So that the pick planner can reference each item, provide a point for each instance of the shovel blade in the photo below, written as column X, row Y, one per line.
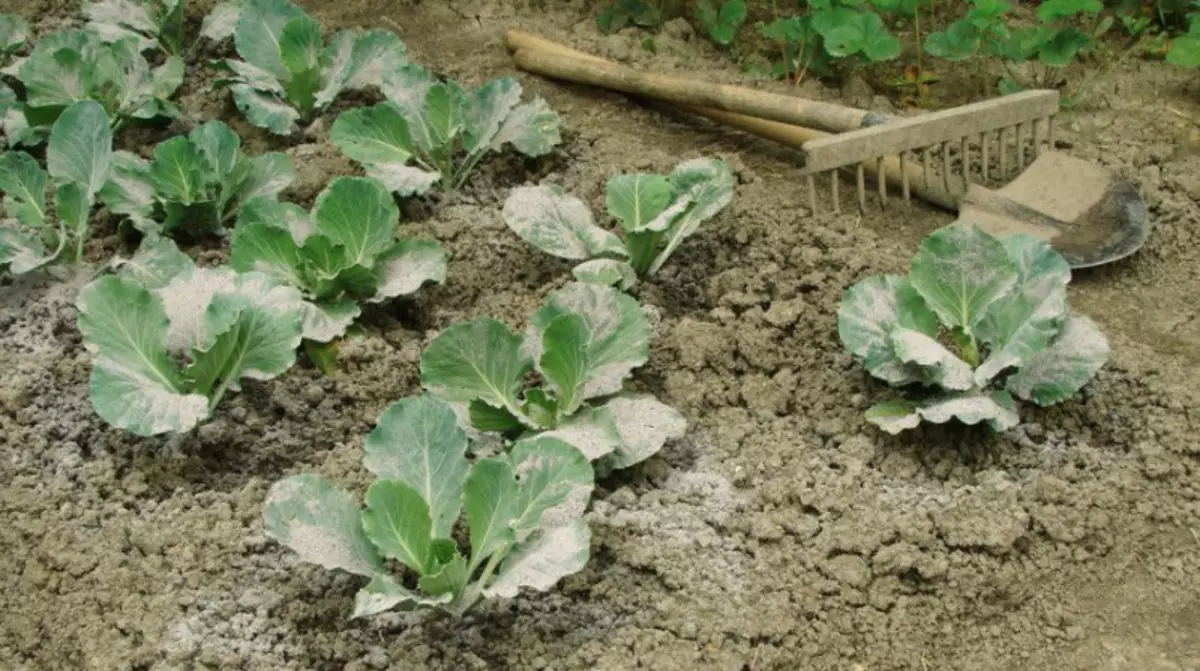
column 1081, row 209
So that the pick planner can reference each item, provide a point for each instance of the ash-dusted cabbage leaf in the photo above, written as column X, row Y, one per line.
column 1001, row 302
column 288, row 72
column 14, row 33
column 522, row 513
column 655, row 212
column 72, row 66
column 431, row 132
column 195, row 184
column 152, row 24
column 344, row 252
column 159, row 309
column 78, row 156
column 583, row 344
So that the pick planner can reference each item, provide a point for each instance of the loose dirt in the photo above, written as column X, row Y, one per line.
column 782, row 533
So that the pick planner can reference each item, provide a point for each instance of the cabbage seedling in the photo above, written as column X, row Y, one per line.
column 14, row 33
column 288, row 73
column 437, row 132
column 655, row 212
column 344, row 252
column 1002, row 303
column 78, row 156
column 522, row 515
column 583, row 344
column 152, row 24
column 161, row 308
column 195, row 184
column 73, row 66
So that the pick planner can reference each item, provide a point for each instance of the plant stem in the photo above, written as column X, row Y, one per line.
column 80, row 241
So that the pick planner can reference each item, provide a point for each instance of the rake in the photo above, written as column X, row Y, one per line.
column 942, row 157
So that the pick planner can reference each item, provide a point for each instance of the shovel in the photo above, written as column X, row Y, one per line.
column 1082, row 210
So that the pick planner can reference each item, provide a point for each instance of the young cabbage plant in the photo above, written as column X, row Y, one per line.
column 195, row 184
column 288, row 73
column 522, row 515
column 346, row 251
column 152, row 24
column 78, row 158
column 984, row 319
column 159, row 309
column 655, row 212
column 583, row 344
column 14, row 33
column 431, row 132
column 69, row 67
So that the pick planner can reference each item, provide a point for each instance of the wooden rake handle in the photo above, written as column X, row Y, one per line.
column 539, row 55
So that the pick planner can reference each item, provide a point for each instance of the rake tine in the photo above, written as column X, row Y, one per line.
column 882, row 178
column 946, row 167
column 904, row 175
column 986, row 158
column 862, row 188
column 833, row 182
column 812, row 192
column 1020, row 147
column 966, row 162
column 1003, row 155
column 925, row 166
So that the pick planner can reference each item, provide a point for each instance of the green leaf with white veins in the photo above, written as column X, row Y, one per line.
column 542, row 561
column 708, row 185
column 417, row 441
column 397, row 522
column 259, row 31
column 300, row 47
column 24, row 185
column 479, row 359
column 320, row 522
column 531, row 128
column 592, row 431
column 443, row 112
column 327, row 320
column 972, row 407
column 267, row 210
column 266, row 175
column 80, row 147
column 221, row 21
column 564, row 360
column 129, row 190
column 115, row 20
column 940, row 365
column 155, row 264
column 557, row 223
column 407, row 266
column 14, row 32
column 383, row 593
column 960, row 271
column 378, row 137
column 618, row 333
column 359, row 214
column 1059, row 371
column 635, row 200
column 220, row 147
column 73, row 208
column 179, row 172
column 21, row 251
column 487, row 107
column 1023, row 322
column 134, row 384
column 252, row 332
column 609, row 272
column 555, row 483
column 644, row 424
column 264, row 110
column 870, row 311
column 268, row 249
column 375, row 53
column 491, row 503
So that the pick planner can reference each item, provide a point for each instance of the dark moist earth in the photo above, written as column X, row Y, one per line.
column 782, row 533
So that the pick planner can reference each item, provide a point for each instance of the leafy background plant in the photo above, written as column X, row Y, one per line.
column 522, row 513
column 583, row 344
column 288, row 72
column 195, row 184
column 430, row 132
column 14, row 33
column 78, row 158
column 655, row 212
column 153, row 24
column 72, row 66
column 344, row 252
column 1001, row 305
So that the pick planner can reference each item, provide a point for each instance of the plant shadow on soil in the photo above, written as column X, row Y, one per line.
column 782, row 532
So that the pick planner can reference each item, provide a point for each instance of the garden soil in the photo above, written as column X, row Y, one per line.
column 783, row 533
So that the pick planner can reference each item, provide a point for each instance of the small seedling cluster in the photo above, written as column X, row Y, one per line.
column 483, row 479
